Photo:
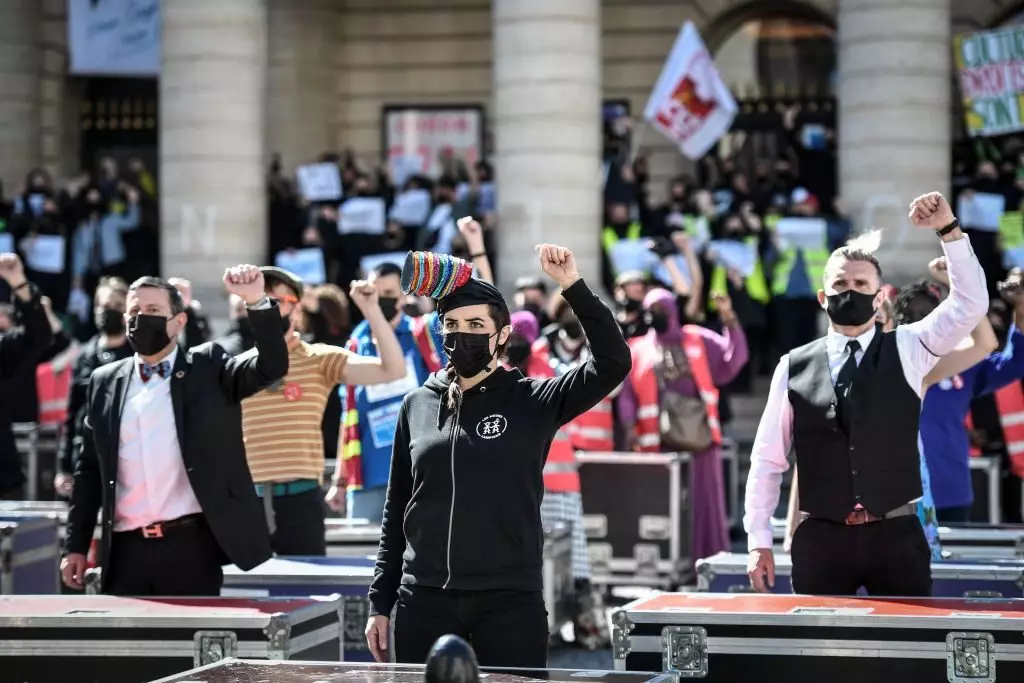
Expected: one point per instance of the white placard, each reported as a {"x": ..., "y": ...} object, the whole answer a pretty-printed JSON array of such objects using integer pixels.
[
  {"x": 802, "y": 233},
  {"x": 362, "y": 215},
  {"x": 319, "y": 182},
  {"x": 411, "y": 208},
  {"x": 114, "y": 37},
  {"x": 981, "y": 210},
  {"x": 735, "y": 255},
  {"x": 629, "y": 255},
  {"x": 661, "y": 271},
  {"x": 368, "y": 263},
  {"x": 44, "y": 253},
  {"x": 405, "y": 166},
  {"x": 307, "y": 264},
  {"x": 6, "y": 243}
]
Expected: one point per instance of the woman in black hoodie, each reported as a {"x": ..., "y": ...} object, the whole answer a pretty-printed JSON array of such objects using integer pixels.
[{"x": 461, "y": 544}]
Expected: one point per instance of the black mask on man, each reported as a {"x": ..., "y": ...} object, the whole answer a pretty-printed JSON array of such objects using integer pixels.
[
  {"x": 470, "y": 353},
  {"x": 851, "y": 308},
  {"x": 110, "y": 321},
  {"x": 518, "y": 351},
  {"x": 630, "y": 305},
  {"x": 147, "y": 334},
  {"x": 389, "y": 307}
]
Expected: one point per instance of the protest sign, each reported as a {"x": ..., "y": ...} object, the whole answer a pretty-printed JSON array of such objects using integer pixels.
[{"x": 990, "y": 68}]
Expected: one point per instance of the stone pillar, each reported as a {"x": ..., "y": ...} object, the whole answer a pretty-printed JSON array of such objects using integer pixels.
[
  {"x": 213, "y": 208},
  {"x": 20, "y": 70},
  {"x": 894, "y": 126},
  {"x": 302, "y": 39},
  {"x": 547, "y": 120}
]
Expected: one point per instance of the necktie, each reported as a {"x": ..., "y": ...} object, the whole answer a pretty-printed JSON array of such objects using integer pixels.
[
  {"x": 146, "y": 371},
  {"x": 843, "y": 383}
]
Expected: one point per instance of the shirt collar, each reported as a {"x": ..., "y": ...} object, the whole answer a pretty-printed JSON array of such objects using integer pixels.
[
  {"x": 835, "y": 343},
  {"x": 170, "y": 358}
]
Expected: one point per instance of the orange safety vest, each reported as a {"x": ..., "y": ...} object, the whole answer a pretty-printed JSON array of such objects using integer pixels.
[
  {"x": 561, "y": 475},
  {"x": 644, "y": 379},
  {"x": 594, "y": 430},
  {"x": 53, "y": 389},
  {"x": 1010, "y": 403}
]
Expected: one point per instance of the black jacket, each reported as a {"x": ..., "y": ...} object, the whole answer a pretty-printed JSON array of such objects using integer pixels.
[
  {"x": 18, "y": 348},
  {"x": 463, "y": 501},
  {"x": 92, "y": 356},
  {"x": 207, "y": 389}
]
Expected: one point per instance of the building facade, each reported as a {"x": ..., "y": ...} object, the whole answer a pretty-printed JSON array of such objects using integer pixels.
[{"x": 242, "y": 79}]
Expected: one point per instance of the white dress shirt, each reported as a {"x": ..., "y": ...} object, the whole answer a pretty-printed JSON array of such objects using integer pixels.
[
  {"x": 920, "y": 345},
  {"x": 152, "y": 485}
]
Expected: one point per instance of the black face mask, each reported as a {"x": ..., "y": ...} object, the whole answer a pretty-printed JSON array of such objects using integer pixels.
[
  {"x": 630, "y": 305},
  {"x": 389, "y": 307},
  {"x": 147, "y": 334},
  {"x": 470, "y": 353},
  {"x": 110, "y": 321},
  {"x": 518, "y": 351},
  {"x": 572, "y": 329},
  {"x": 851, "y": 308},
  {"x": 659, "y": 322}
]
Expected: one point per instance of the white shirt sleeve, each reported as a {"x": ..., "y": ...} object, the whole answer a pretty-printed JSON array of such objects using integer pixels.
[
  {"x": 768, "y": 460},
  {"x": 921, "y": 344}
]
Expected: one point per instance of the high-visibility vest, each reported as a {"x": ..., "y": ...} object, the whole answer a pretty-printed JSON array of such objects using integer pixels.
[
  {"x": 814, "y": 260},
  {"x": 1011, "y": 230},
  {"x": 53, "y": 388},
  {"x": 643, "y": 376},
  {"x": 754, "y": 285},
  {"x": 609, "y": 238},
  {"x": 561, "y": 474},
  {"x": 1010, "y": 403},
  {"x": 594, "y": 430}
]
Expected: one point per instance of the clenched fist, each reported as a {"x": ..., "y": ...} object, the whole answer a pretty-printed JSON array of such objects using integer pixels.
[
  {"x": 931, "y": 211},
  {"x": 364, "y": 296},
  {"x": 559, "y": 264},
  {"x": 246, "y": 282},
  {"x": 12, "y": 270}
]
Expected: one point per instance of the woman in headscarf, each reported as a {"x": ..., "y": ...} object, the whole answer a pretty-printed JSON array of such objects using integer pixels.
[
  {"x": 673, "y": 384},
  {"x": 461, "y": 549},
  {"x": 525, "y": 331}
]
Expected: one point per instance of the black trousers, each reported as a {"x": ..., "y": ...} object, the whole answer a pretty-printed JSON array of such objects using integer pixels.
[
  {"x": 506, "y": 628},
  {"x": 890, "y": 557},
  {"x": 185, "y": 562},
  {"x": 299, "y": 524}
]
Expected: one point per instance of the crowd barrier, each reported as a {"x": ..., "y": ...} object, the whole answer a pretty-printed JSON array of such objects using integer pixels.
[{"x": 37, "y": 443}]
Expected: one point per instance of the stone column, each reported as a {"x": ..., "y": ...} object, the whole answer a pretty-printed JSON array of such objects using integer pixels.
[
  {"x": 302, "y": 78},
  {"x": 20, "y": 69},
  {"x": 213, "y": 207},
  {"x": 894, "y": 126},
  {"x": 547, "y": 120}
]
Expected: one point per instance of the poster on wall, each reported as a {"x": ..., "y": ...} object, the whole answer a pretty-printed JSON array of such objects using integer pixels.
[
  {"x": 990, "y": 69},
  {"x": 418, "y": 140},
  {"x": 114, "y": 37}
]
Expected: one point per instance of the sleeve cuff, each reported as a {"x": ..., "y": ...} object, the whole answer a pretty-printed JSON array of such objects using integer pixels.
[
  {"x": 760, "y": 540},
  {"x": 958, "y": 250},
  {"x": 577, "y": 291},
  {"x": 262, "y": 305}
]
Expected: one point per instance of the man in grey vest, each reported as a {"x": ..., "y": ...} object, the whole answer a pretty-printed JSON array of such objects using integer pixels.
[{"x": 848, "y": 405}]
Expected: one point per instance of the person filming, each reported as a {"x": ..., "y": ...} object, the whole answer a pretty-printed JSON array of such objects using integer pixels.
[{"x": 461, "y": 543}]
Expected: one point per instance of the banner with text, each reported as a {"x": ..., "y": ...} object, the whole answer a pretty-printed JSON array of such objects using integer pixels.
[
  {"x": 690, "y": 105},
  {"x": 114, "y": 37},
  {"x": 421, "y": 140},
  {"x": 990, "y": 65}
]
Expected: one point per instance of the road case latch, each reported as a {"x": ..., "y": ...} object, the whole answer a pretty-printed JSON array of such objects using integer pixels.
[
  {"x": 355, "y": 612},
  {"x": 622, "y": 627},
  {"x": 647, "y": 556},
  {"x": 278, "y": 632},
  {"x": 684, "y": 651},
  {"x": 600, "y": 556},
  {"x": 970, "y": 658},
  {"x": 213, "y": 646}
]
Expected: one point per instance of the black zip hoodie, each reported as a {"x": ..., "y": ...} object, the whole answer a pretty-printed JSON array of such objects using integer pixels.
[{"x": 463, "y": 501}]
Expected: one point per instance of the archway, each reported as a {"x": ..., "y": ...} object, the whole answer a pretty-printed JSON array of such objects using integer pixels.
[{"x": 774, "y": 56}]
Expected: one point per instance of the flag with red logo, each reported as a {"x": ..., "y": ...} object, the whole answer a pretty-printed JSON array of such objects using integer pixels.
[{"x": 690, "y": 105}]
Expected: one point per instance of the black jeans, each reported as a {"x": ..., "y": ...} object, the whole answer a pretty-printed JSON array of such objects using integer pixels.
[
  {"x": 506, "y": 628},
  {"x": 185, "y": 562},
  {"x": 890, "y": 557},
  {"x": 961, "y": 514},
  {"x": 299, "y": 524}
]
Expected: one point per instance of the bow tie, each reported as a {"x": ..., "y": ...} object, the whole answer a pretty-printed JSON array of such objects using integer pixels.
[{"x": 146, "y": 371}]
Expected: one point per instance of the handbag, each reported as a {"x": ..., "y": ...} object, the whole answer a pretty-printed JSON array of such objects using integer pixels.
[{"x": 682, "y": 420}]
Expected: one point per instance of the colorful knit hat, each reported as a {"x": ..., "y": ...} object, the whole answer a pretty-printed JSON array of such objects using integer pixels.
[{"x": 448, "y": 280}]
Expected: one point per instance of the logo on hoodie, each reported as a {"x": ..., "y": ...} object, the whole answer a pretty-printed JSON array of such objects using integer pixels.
[{"x": 491, "y": 427}]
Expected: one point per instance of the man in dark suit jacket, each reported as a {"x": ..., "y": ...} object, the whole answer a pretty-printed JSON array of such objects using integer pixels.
[
  {"x": 162, "y": 452},
  {"x": 18, "y": 349}
]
